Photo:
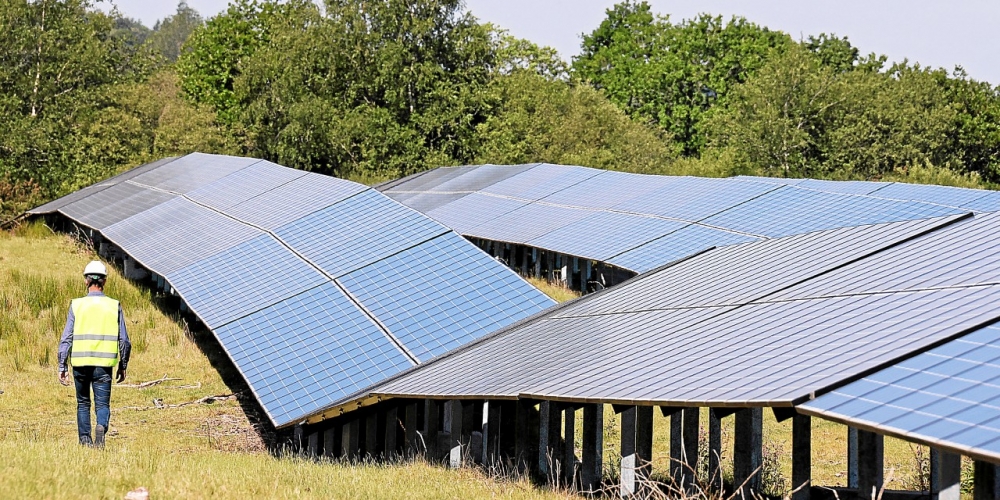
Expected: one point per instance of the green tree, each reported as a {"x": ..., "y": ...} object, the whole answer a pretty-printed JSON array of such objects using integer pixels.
[{"x": 170, "y": 33}]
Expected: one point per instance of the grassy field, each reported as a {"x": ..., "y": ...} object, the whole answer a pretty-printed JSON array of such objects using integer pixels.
[{"x": 194, "y": 451}]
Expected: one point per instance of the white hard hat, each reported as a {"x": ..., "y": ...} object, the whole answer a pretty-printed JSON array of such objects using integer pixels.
[{"x": 95, "y": 267}]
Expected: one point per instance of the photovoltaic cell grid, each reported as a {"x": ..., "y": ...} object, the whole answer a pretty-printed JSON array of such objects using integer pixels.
[
  {"x": 243, "y": 279},
  {"x": 675, "y": 246},
  {"x": 607, "y": 189},
  {"x": 541, "y": 181},
  {"x": 309, "y": 351},
  {"x": 298, "y": 339},
  {"x": 695, "y": 198},
  {"x": 58, "y": 203},
  {"x": 473, "y": 210},
  {"x": 434, "y": 303},
  {"x": 358, "y": 231},
  {"x": 948, "y": 396},
  {"x": 603, "y": 235}
]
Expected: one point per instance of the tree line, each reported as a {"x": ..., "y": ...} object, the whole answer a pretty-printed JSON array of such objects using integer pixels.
[{"x": 376, "y": 89}]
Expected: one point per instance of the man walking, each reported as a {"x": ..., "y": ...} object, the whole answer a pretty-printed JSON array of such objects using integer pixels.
[{"x": 95, "y": 341}]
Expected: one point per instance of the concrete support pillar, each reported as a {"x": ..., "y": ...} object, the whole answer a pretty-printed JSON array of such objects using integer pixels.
[
  {"x": 747, "y": 450},
  {"x": 391, "y": 441},
  {"x": 714, "y": 450},
  {"x": 852, "y": 457},
  {"x": 412, "y": 441},
  {"x": 526, "y": 438},
  {"x": 636, "y": 446},
  {"x": 331, "y": 442},
  {"x": 564, "y": 269},
  {"x": 946, "y": 475},
  {"x": 870, "y": 464},
  {"x": 984, "y": 481},
  {"x": 350, "y": 439},
  {"x": 591, "y": 470},
  {"x": 432, "y": 427},
  {"x": 549, "y": 449},
  {"x": 133, "y": 270},
  {"x": 801, "y": 456},
  {"x": 372, "y": 433},
  {"x": 455, "y": 409},
  {"x": 569, "y": 446}
]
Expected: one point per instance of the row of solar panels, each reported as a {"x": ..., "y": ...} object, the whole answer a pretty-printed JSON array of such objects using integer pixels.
[
  {"x": 315, "y": 287},
  {"x": 640, "y": 222},
  {"x": 905, "y": 307}
]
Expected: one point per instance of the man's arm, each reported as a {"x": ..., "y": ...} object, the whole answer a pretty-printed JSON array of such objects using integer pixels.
[
  {"x": 124, "y": 346},
  {"x": 66, "y": 342}
]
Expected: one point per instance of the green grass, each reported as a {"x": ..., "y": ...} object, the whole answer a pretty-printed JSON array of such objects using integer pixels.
[{"x": 198, "y": 451}]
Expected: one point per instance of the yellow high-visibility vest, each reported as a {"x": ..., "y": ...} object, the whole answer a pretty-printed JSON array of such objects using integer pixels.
[{"x": 95, "y": 331}]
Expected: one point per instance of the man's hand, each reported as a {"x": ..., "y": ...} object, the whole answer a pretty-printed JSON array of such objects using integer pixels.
[
  {"x": 121, "y": 375},
  {"x": 64, "y": 378}
]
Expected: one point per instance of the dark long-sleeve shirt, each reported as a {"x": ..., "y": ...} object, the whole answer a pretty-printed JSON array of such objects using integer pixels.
[{"x": 66, "y": 343}]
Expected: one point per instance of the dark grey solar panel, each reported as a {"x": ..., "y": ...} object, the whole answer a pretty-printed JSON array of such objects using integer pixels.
[
  {"x": 608, "y": 189},
  {"x": 481, "y": 177},
  {"x": 942, "y": 195},
  {"x": 192, "y": 171},
  {"x": 294, "y": 200},
  {"x": 78, "y": 195},
  {"x": 425, "y": 202},
  {"x": 114, "y": 204},
  {"x": 443, "y": 293},
  {"x": 244, "y": 184},
  {"x": 685, "y": 242},
  {"x": 964, "y": 254},
  {"x": 604, "y": 234},
  {"x": 243, "y": 279},
  {"x": 473, "y": 210},
  {"x": 527, "y": 222},
  {"x": 177, "y": 233},
  {"x": 792, "y": 210},
  {"x": 357, "y": 231},
  {"x": 428, "y": 181},
  {"x": 309, "y": 351},
  {"x": 694, "y": 198},
  {"x": 541, "y": 181},
  {"x": 947, "y": 397}
]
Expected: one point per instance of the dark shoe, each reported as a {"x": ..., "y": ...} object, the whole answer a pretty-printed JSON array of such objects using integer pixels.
[
  {"x": 85, "y": 441},
  {"x": 99, "y": 436}
]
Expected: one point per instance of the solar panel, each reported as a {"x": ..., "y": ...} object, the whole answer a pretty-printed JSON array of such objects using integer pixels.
[
  {"x": 949, "y": 396},
  {"x": 243, "y": 279},
  {"x": 83, "y": 193},
  {"x": 357, "y": 231},
  {"x": 472, "y": 210},
  {"x": 604, "y": 234},
  {"x": 942, "y": 195},
  {"x": 694, "y": 198},
  {"x": 244, "y": 184},
  {"x": 192, "y": 171},
  {"x": 541, "y": 181},
  {"x": 684, "y": 242},
  {"x": 480, "y": 177},
  {"x": 309, "y": 350},
  {"x": 607, "y": 189},
  {"x": 293, "y": 200},
  {"x": 527, "y": 223},
  {"x": 987, "y": 203},
  {"x": 791, "y": 210},
  {"x": 177, "y": 233},
  {"x": 113, "y": 204},
  {"x": 844, "y": 187},
  {"x": 428, "y": 181},
  {"x": 441, "y": 294},
  {"x": 425, "y": 202}
]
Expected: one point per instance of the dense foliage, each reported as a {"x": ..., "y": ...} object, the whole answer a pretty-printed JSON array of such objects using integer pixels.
[{"x": 375, "y": 89}]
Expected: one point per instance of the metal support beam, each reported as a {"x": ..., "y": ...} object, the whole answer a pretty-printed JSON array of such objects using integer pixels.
[
  {"x": 412, "y": 412},
  {"x": 801, "y": 456},
  {"x": 676, "y": 445},
  {"x": 312, "y": 444},
  {"x": 549, "y": 449},
  {"x": 636, "y": 446},
  {"x": 569, "y": 461},
  {"x": 526, "y": 440},
  {"x": 331, "y": 441},
  {"x": 457, "y": 413},
  {"x": 390, "y": 441},
  {"x": 946, "y": 475},
  {"x": 472, "y": 430},
  {"x": 690, "y": 441},
  {"x": 714, "y": 450},
  {"x": 852, "y": 457},
  {"x": 432, "y": 428},
  {"x": 870, "y": 464},
  {"x": 537, "y": 262},
  {"x": 984, "y": 481},
  {"x": 591, "y": 471},
  {"x": 350, "y": 439},
  {"x": 372, "y": 433},
  {"x": 748, "y": 450}
]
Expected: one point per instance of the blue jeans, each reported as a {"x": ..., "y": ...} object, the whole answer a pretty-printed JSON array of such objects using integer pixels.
[{"x": 100, "y": 378}]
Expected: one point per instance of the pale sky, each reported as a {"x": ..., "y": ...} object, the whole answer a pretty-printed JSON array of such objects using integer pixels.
[{"x": 937, "y": 33}]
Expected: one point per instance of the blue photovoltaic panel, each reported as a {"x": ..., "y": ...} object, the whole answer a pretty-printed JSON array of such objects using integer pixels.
[
  {"x": 429, "y": 181},
  {"x": 781, "y": 181},
  {"x": 605, "y": 234},
  {"x": 243, "y": 279},
  {"x": 357, "y": 231},
  {"x": 480, "y": 177},
  {"x": 176, "y": 233},
  {"x": 528, "y": 222},
  {"x": 114, "y": 204},
  {"x": 442, "y": 294},
  {"x": 472, "y": 210},
  {"x": 608, "y": 189},
  {"x": 425, "y": 202},
  {"x": 541, "y": 181},
  {"x": 843, "y": 187},
  {"x": 309, "y": 351},
  {"x": 677, "y": 245},
  {"x": 948, "y": 396},
  {"x": 694, "y": 198},
  {"x": 942, "y": 195},
  {"x": 294, "y": 199},
  {"x": 791, "y": 210},
  {"x": 987, "y": 203},
  {"x": 192, "y": 171},
  {"x": 244, "y": 184},
  {"x": 80, "y": 194}
]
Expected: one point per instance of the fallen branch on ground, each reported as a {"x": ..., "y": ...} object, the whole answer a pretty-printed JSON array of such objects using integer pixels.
[
  {"x": 158, "y": 403},
  {"x": 151, "y": 383}
]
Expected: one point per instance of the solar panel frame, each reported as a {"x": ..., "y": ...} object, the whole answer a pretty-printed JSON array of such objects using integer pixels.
[
  {"x": 59, "y": 203},
  {"x": 541, "y": 181},
  {"x": 601, "y": 235},
  {"x": 294, "y": 200},
  {"x": 192, "y": 171},
  {"x": 244, "y": 184}
]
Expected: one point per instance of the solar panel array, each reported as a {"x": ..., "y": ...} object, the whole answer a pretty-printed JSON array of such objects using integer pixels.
[
  {"x": 316, "y": 287},
  {"x": 640, "y": 222},
  {"x": 772, "y": 323}
]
